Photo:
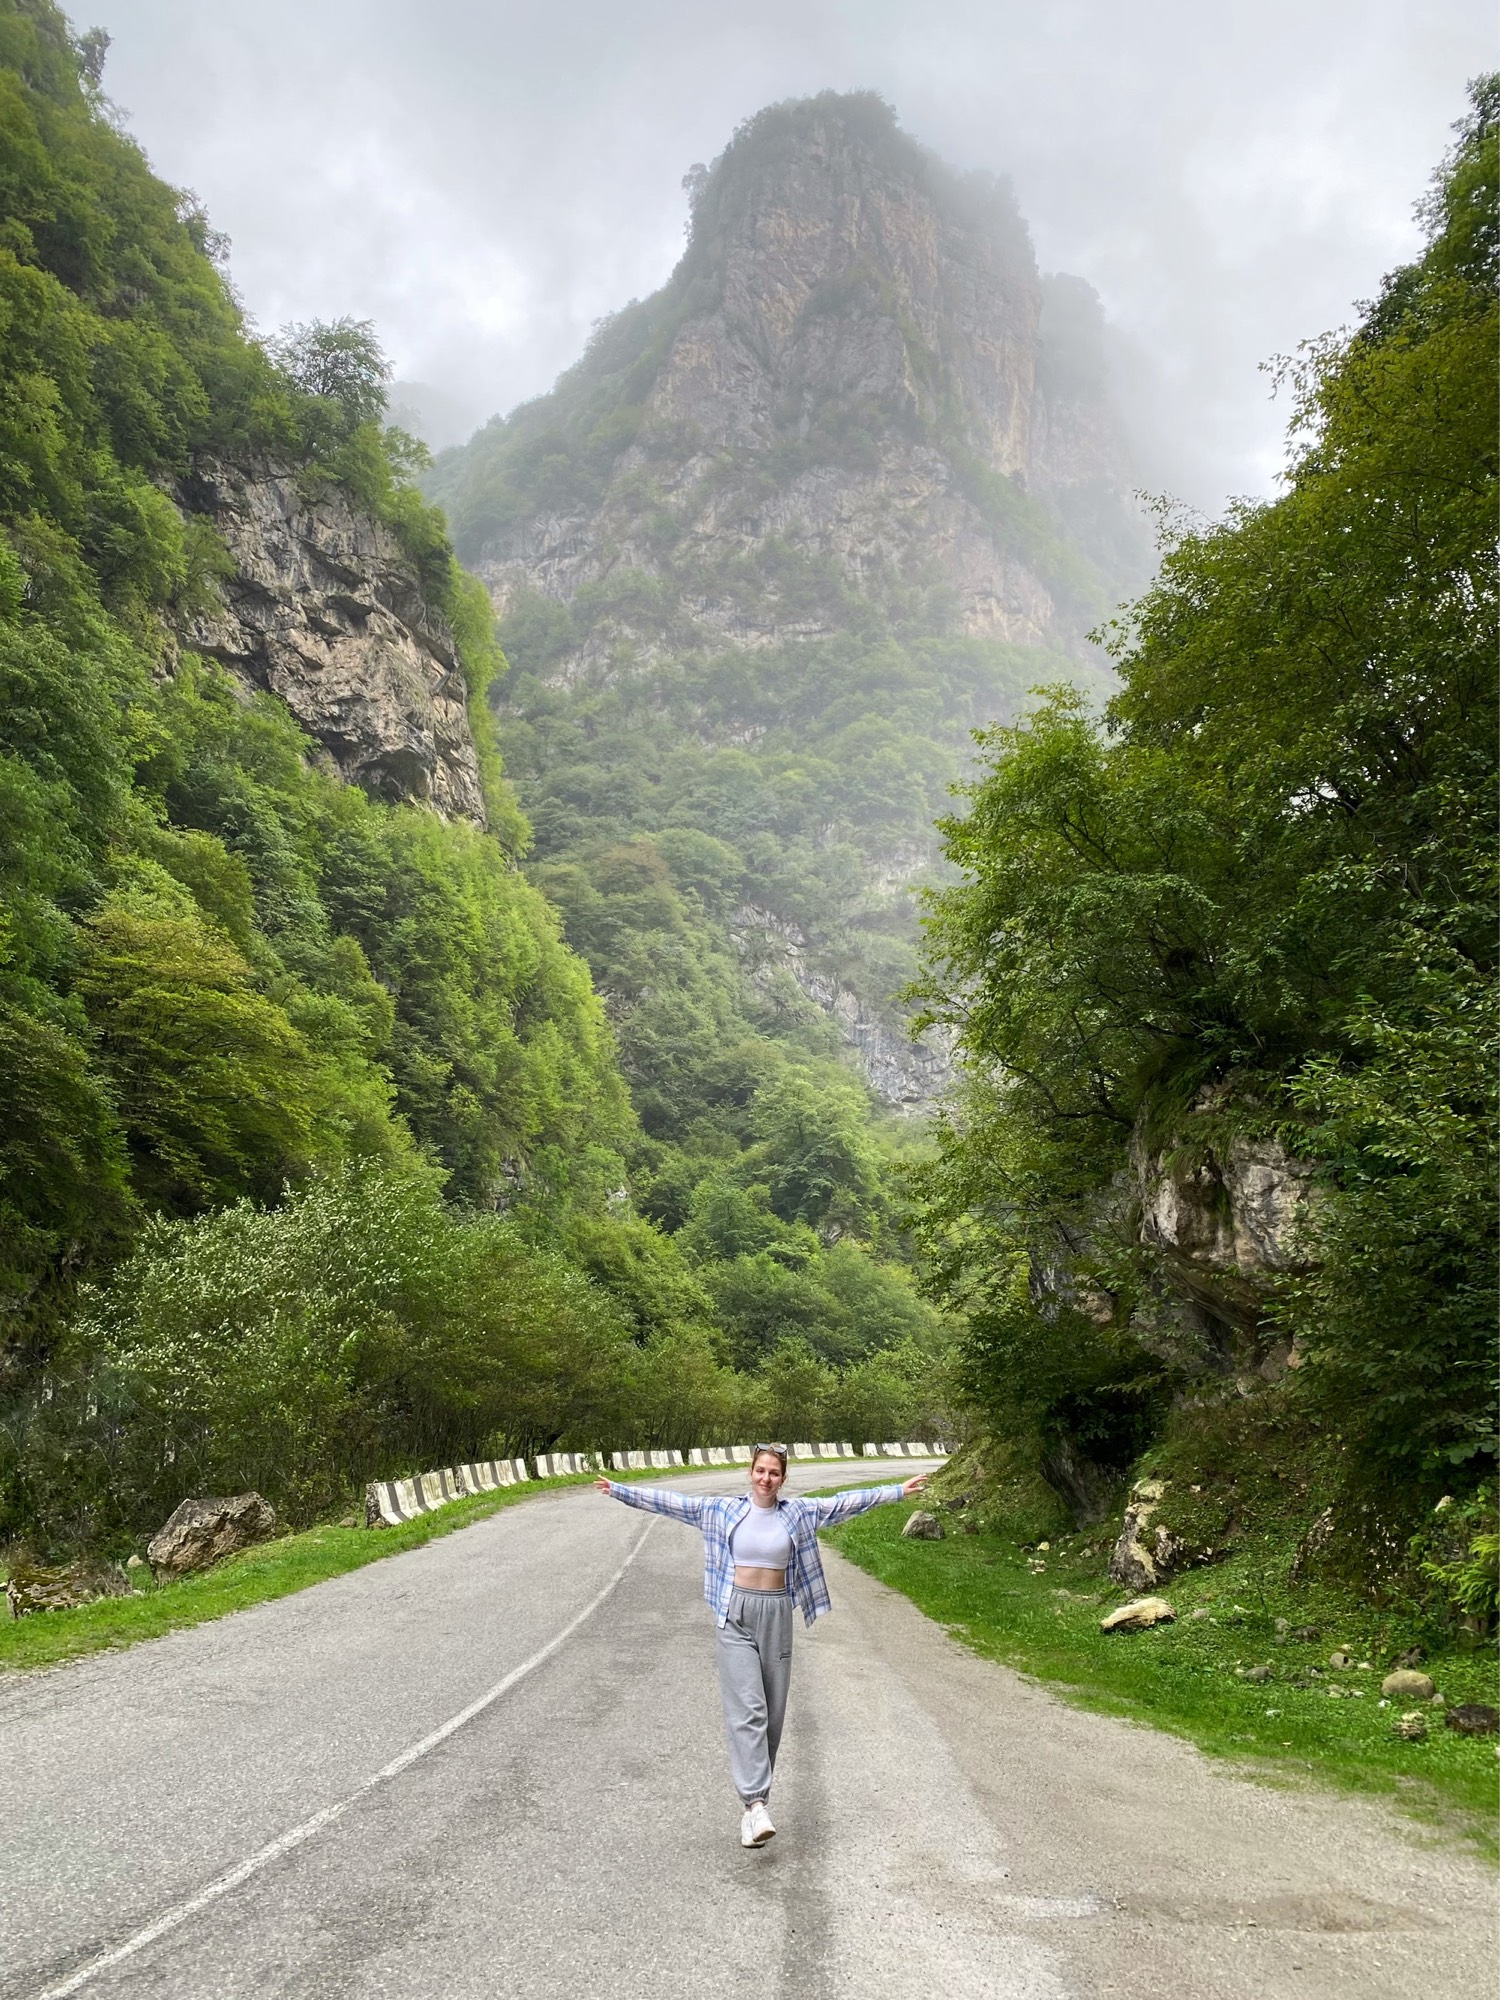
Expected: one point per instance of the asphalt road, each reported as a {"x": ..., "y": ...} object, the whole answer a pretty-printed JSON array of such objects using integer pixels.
[{"x": 289, "y": 1802}]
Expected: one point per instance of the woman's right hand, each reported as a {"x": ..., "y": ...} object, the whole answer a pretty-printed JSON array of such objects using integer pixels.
[{"x": 603, "y": 1485}]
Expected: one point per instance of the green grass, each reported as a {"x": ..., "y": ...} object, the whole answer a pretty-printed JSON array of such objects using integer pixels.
[
  {"x": 1182, "y": 1678},
  {"x": 271, "y": 1569}
]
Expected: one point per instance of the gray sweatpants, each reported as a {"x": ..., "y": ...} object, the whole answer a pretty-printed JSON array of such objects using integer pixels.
[{"x": 755, "y": 1670}]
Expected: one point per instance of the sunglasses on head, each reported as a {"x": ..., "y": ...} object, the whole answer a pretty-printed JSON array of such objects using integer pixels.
[{"x": 776, "y": 1451}]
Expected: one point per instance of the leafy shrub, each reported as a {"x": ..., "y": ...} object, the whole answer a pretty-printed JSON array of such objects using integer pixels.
[{"x": 361, "y": 1327}]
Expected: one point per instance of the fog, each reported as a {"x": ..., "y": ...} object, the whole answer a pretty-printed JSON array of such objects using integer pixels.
[{"x": 486, "y": 180}]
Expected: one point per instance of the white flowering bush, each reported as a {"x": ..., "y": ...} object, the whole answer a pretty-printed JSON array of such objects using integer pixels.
[{"x": 363, "y": 1327}]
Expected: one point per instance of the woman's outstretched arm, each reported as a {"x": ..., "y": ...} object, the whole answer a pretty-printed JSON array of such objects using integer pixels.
[
  {"x": 656, "y": 1500},
  {"x": 836, "y": 1507}
]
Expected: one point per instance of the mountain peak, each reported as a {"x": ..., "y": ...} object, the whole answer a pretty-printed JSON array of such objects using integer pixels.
[
  {"x": 852, "y": 358},
  {"x": 847, "y": 485},
  {"x": 866, "y": 279},
  {"x": 845, "y": 157}
]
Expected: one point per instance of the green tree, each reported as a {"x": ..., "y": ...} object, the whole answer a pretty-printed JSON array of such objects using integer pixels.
[
  {"x": 217, "y": 1092},
  {"x": 1260, "y": 899},
  {"x": 337, "y": 361}
]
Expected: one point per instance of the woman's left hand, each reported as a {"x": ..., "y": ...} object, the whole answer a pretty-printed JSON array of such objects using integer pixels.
[{"x": 914, "y": 1485}]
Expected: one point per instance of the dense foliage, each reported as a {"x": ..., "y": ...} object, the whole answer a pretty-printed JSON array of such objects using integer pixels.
[
  {"x": 366, "y": 1323},
  {"x": 1257, "y": 905},
  {"x": 315, "y": 1151}
]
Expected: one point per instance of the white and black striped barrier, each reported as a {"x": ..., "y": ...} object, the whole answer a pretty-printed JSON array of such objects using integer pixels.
[{"x": 389, "y": 1502}]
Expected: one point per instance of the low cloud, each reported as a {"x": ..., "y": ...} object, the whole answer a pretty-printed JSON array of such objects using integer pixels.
[{"x": 485, "y": 181}]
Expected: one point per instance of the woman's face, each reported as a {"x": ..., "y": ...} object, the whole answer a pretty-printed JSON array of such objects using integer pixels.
[{"x": 766, "y": 1476}]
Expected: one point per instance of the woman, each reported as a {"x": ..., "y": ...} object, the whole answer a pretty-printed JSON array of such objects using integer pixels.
[{"x": 760, "y": 1557}]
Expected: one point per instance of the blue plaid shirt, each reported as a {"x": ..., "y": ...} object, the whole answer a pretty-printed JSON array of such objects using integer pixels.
[{"x": 717, "y": 1515}]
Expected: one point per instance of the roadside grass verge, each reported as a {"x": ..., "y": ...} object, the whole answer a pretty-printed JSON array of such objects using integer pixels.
[
  {"x": 1307, "y": 1719},
  {"x": 255, "y": 1576}
]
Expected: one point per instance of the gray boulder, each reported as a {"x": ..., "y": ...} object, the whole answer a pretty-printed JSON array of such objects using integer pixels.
[
  {"x": 203, "y": 1532},
  {"x": 1406, "y": 1684},
  {"x": 1473, "y": 1718},
  {"x": 923, "y": 1527}
]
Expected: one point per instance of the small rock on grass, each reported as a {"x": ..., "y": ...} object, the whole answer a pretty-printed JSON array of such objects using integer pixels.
[
  {"x": 1138, "y": 1615},
  {"x": 35, "y": 1587},
  {"x": 1340, "y": 1659},
  {"x": 1411, "y": 1727},
  {"x": 1406, "y": 1684},
  {"x": 1473, "y": 1718},
  {"x": 923, "y": 1527},
  {"x": 1257, "y": 1673}
]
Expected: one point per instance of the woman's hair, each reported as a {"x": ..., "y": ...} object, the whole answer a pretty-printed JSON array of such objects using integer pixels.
[{"x": 777, "y": 1451}]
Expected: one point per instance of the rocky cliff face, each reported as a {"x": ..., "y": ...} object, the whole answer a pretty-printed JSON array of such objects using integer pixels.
[
  {"x": 1227, "y": 1226},
  {"x": 322, "y": 608},
  {"x": 1220, "y": 1219},
  {"x": 845, "y": 488},
  {"x": 856, "y": 363},
  {"x": 908, "y": 1073}
]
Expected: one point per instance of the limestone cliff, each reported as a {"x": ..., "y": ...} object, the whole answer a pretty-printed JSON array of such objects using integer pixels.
[
  {"x": 857, "y": 364},
  {"x": 322, "y": 607},
  {"x": 1212, "y": 1220},
  {"x": 906, "y": 1073},
  {"x": 1226, "y": 1224}
]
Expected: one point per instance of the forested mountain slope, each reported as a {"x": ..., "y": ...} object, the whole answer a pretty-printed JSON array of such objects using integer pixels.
[
  {"x": 841, "y": 491},
  {"x": 315, "y": 1155}
]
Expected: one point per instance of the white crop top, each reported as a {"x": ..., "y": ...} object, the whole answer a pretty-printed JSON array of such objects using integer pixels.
[{"x": 760, "y": 1541}]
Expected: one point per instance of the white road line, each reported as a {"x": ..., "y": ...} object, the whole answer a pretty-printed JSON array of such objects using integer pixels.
[{"x": 285, "y": 1842}]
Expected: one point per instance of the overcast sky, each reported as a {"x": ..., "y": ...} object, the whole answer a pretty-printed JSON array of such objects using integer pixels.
[{"x": 485, "y": 178}]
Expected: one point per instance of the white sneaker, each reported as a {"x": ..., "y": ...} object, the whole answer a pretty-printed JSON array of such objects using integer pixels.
[
  {"x": 747, "y": 1828},
  {"x": 759, "y": 1825}
]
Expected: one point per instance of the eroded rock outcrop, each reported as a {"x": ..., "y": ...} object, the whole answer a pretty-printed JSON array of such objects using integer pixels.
[
  {"x": 323, "y": 609},
  {"x": 908, "y": 1074},
  {"x": 1227, "y": 1218},
  {"x": 1142, "y": 1559},
  {"x": 1149, "y": 1552}
]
